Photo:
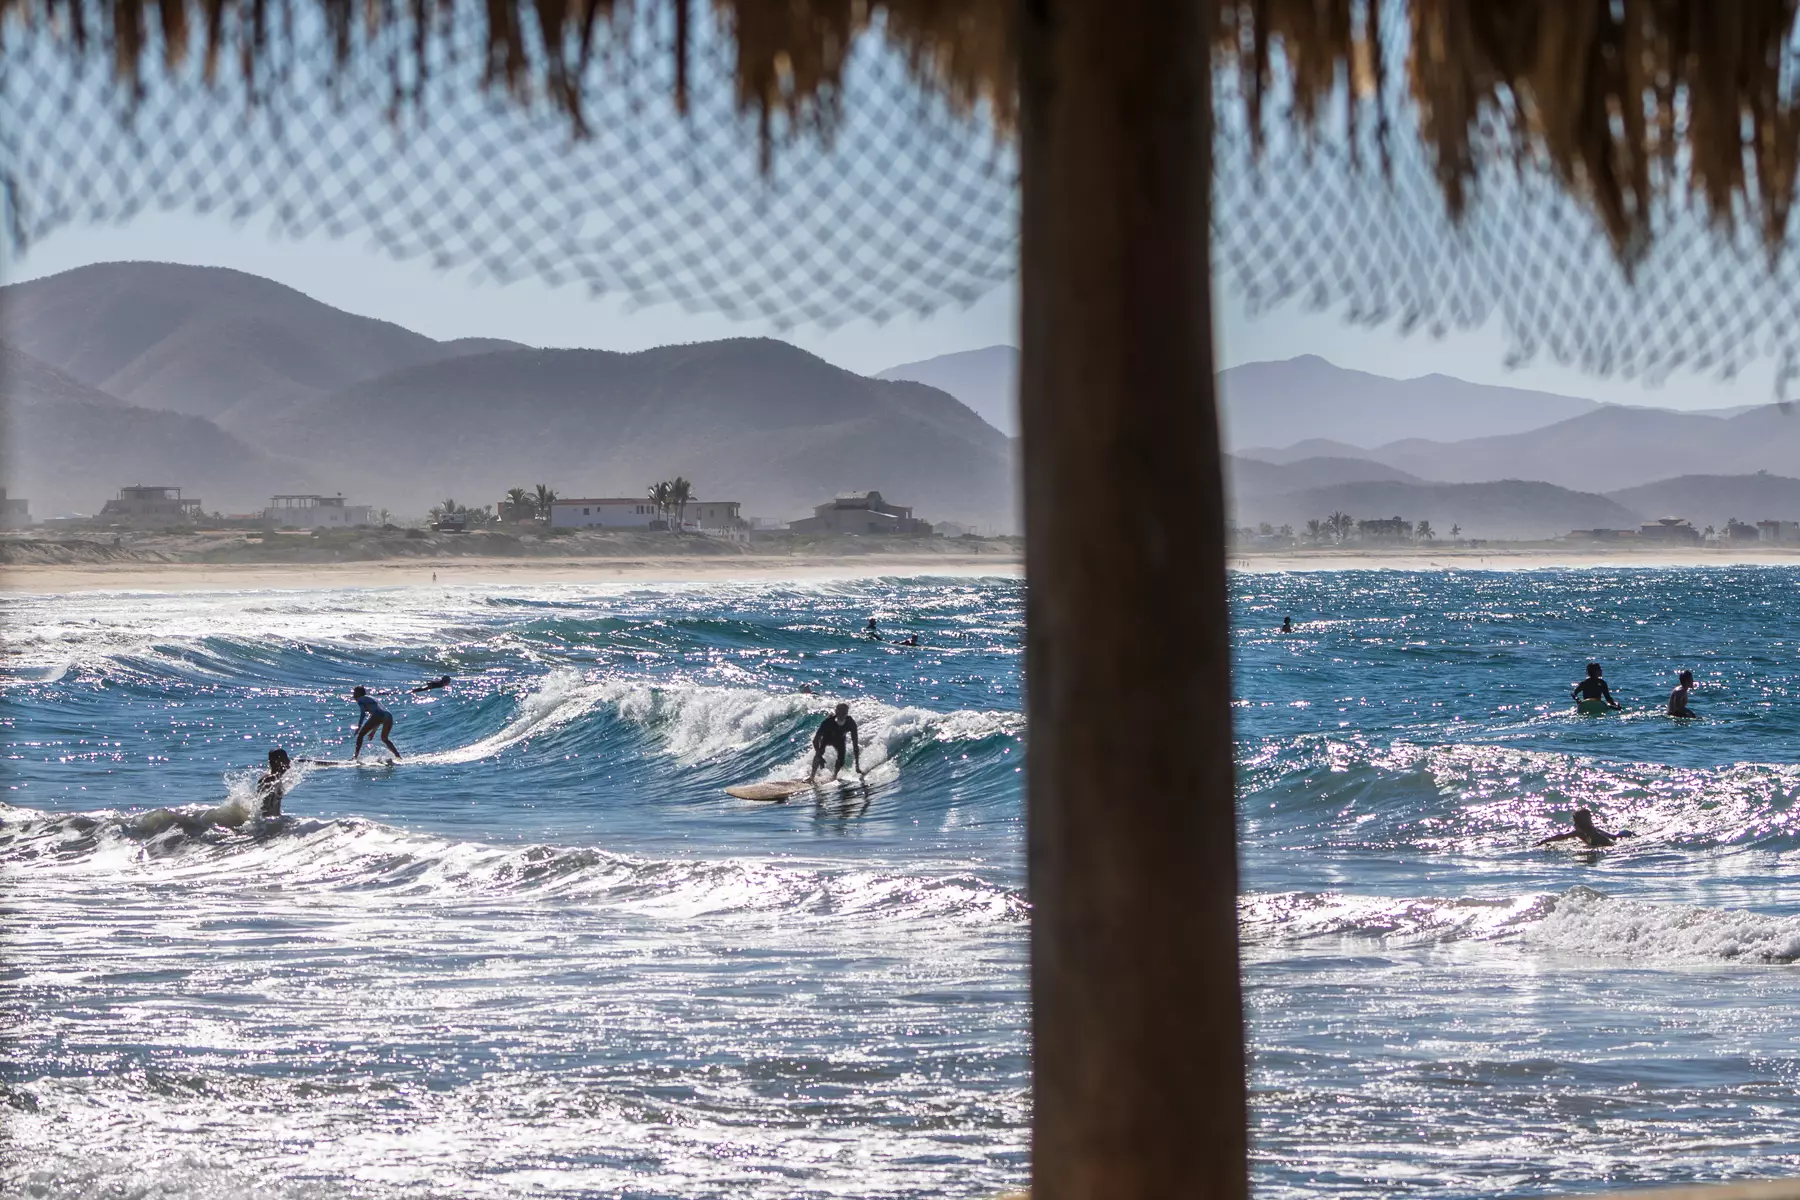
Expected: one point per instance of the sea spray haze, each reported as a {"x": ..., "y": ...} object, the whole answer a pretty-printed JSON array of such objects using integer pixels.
[{"x": 544, "y": 955}]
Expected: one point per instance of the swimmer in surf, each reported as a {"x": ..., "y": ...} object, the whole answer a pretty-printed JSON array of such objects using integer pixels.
[
  {"x": 433, "y": 685},
  {"x": 1287, "y": 624},
  {"x": 872, "y": 630},
  {"x": 1591, "y": 835},
  {"x": 1678, "y": 699},
  {"x": 376, "y": 720},
  {"x": 832, "y": 732},
  {"x": 272, "y": 787},
  {"x": 1594, "y": 688}
]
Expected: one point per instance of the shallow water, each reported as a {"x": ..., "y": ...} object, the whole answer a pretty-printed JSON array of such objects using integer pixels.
[{"x": 545, "y": 955}]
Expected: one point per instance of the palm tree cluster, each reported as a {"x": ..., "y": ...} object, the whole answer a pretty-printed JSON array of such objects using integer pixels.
[
  {"x": 526, "y": 505},
  {"x": 671, "y": 497},
  {"x": 448, "y": 513},
  {"x": 1341, "y": 527}
]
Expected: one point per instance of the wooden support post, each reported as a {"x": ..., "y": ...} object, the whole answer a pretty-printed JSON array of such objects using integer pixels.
[{"x": 1137, "y": 1015}]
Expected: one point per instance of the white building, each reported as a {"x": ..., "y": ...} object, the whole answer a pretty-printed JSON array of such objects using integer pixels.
[
  {"x": 716, "y": 517},
  {"x": 315, "y": 512},
  {"x": 595, "y": 514}
]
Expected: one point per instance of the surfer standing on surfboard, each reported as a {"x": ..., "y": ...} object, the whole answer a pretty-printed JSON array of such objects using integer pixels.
[
  {"x": 375, "y": 720},
  {"x": 832, "y": 732},
  {"x": 1592, "y": 694}
]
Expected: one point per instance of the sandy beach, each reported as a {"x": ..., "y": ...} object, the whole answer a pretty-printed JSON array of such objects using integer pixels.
[{"x": 168, "y": 577}]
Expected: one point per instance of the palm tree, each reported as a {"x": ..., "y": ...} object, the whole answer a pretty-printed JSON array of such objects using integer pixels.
[
  {"x": 1425, "y": 532},
  {"x": 520, "y": 504},
  {"x": 1315, "y": 530},
  {"x": 681, "y": 494},
  {"x": 1340, "y": 524},
  {"x": 1456, "y": 531},
  {"x": 546, "y": 496},
  {"x": 383, "y": 517},
  {"x": 659, "y": 496}
]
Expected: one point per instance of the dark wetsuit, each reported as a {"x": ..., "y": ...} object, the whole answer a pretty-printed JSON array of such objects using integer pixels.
[
  {"x": 1594, "y": 688},
  {"x": 833, "y": 734}
]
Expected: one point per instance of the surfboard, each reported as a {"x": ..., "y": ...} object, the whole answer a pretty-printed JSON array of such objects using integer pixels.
[
  {"x": 1591, "y": 708},
  {"x": 777, "y": 789}
]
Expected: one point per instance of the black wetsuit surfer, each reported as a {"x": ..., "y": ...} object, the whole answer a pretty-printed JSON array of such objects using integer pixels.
[
  {"x": 1593, "y": 689},
  {"x": 442, "y": 681},
  {"x": 831, "y": 732},
  {"x": 1591, "y": 835},
  {"x": 272, "y": 787}
]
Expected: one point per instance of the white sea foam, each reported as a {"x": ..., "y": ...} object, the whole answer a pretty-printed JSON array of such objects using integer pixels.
[{"x": 1579, "y": 921}]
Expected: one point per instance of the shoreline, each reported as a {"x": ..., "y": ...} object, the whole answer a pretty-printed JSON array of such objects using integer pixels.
[
  {"x": 1489, "y": 558},
  {"x": 58, "y": 578}
]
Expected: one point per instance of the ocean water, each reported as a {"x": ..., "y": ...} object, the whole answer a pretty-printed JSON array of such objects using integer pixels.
[{"x": 545, "y": 955}]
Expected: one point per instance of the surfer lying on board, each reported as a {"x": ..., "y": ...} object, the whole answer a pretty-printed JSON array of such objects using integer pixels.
[
  {"x": 375, "y": 720},
  {"x": 832, "y": 731},
  {"x": 1591, "y": 835},
  {"x": 1678, "y": 699},
  {"x": 1593, "y": 692},
  {"x": 442, "y": 681},
  {"x": 272, "y": 787}
]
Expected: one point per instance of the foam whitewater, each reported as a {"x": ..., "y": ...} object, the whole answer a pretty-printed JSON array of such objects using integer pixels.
[{"x": 351, "y": 855}]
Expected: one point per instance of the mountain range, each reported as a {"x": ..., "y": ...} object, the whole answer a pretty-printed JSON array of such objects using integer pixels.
[{"x": 235, "y": 387}]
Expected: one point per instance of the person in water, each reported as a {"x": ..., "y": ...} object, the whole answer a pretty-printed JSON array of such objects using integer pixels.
[
  {"x": 442, "y": 681},
  {"x": 1678, "y": 699},
  {"x": 272, "y": 787},
  {"x": 832, "y": 732},
  {"x": 1591, "y": 835},
  {"x": 376, "y": 720},
  {"x": 872, "y": 630},
  {"x": 1594, "y": 688},
  {"x": 1287, "y": 624},
  {"x": 911, "y": 639}
]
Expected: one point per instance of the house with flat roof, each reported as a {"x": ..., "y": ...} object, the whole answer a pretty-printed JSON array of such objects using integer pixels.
[
  {"x": 315, "y": 512},
  {"x": 861, "y": 513},
  {"x": 607, "y": 513},
  {"x": 1674, "y": 530},
  {"x": 15, "y": 511},
  {"x": 152, "y": 502}
]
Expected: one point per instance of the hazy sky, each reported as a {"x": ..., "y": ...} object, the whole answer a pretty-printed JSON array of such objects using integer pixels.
[{"x": 351, "y": 275}]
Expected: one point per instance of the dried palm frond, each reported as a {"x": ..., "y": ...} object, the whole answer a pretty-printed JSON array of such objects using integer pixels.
[{"x": 1628, "y": 102}]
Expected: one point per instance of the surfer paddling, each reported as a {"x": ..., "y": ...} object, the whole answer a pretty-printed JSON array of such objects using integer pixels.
[
  {"x": 1591, "y": 695},
  {"x": 376, "y": 720},
  {"x": 431, "y": 685},
  {"x": 1590, "y": 835},
  {"x": 832, "y": 732}
]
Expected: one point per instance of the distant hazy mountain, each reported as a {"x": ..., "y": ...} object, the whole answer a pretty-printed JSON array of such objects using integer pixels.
[
  {"x": 211, "y": 342},
  {"x": 71, "y": 447},
  {"x": 1250, "y": 479},
  {"x": 1614, "y": 447},
  {"x": 1274, "y": 403},
  {"x": 1716, "y": 499},
  {"x": 986, "y": 380},
  {"x": 753, "y": 420},
  {"x": 1506, "y": 509}
]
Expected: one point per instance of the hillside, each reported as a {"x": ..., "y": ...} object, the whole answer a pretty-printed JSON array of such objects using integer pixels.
[
  {"x": 754, "y": 420},
  {"x": 1715, "y": 499},
  {"x": 1273, "y": 403},
  {"x": 70, "y": 447},
  {"x": 1614, "y": 447},
  {"x": 1249, "y": 479},
  {"x": 206, "y": 341},
  {"x": 1506, "y": 509},
  {"x": 987, "y": 380}
]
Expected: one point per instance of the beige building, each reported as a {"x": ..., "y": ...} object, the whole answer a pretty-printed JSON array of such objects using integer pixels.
[
  {"x": 861, "y": 513},
  {"x": 155, "y": 503}
]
